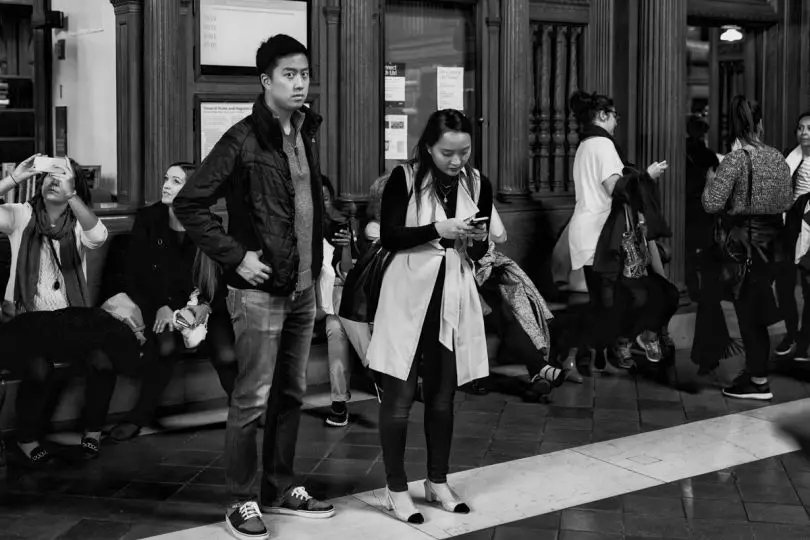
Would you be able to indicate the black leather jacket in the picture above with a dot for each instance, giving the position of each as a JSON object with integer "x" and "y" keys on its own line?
{"x": 249, "y": 168}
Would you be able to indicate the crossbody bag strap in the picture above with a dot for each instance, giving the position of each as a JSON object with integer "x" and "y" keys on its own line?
{"x": 750, "y": 203}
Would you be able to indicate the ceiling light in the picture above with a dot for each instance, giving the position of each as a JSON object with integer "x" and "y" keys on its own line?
{"x": 731, "y": 33}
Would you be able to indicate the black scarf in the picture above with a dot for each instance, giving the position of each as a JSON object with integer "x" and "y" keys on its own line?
{"x": 591, "y": 130}
{"x": 28, "y": 259}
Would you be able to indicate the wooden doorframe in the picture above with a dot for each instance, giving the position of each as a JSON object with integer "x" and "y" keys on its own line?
{"x": 43, "y": 76}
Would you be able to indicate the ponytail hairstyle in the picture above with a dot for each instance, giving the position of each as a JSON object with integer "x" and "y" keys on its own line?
{"x": 745, "y": 119}
{"x": 439, "y": 123}
{"x": 205, "y": 274}
{"x": 586, "y": 106}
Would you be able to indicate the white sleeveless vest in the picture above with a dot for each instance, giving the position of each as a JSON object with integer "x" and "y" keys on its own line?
{"x": 406, "y": 290}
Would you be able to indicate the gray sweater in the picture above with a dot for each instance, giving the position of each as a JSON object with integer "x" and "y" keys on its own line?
{"x": 772, "y": 191}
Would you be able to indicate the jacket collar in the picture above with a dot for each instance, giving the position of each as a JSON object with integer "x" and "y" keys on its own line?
{"x": 268, "y": 130}
{"x": 590, "y": 130}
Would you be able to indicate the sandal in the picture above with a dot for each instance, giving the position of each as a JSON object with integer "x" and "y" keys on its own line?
{"x": 91, "y": 447}
{"x": 37, "y": 458}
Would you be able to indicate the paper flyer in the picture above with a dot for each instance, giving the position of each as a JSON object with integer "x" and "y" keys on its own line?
{"x": 396, "y": 136}
{"x": 395, "y": 83}
{"x": 450, "y": 87}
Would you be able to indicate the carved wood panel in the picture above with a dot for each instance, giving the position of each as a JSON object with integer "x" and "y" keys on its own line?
{"x": 557, "y": 70}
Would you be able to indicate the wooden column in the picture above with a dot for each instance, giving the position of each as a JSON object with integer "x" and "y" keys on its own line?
{"x": 163, "y": 141}
{"x": 560, "y": 104}
{"x": 360, "y": 121}
{"x": 573, "y": 86}
{"x": 331, "y": 88}
{"x": 42, "y": 37}
{"x": 598, "y": 73}
{"x": 491, "y": 103}
{"x": 545, "y": 103}
{"x": 513, "y": 170}
{"x": 662, "y": 118}
{"x": 129, "y": 99}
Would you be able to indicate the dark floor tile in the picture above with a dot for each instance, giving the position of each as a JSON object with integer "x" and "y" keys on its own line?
{"x": 656, "y": 405}
{"x": 767, "y": 477}
{"x": 582, "y": 535}
{"x": 721, "y": 530}
{"x": 361, "y": 439}
{"x": 616, "y": 403}
{"x": 804, "y": 495}
{"x": 350, "y": 451}
{"x": 343, "y": 467}
{"x": 211, "y": 477}
{"x": 549, "y": 447}
{"x": 654, "y": 527}
{"x": 510, "y": 532}
{"x": 569, "y": 412}
{"x": 796, "y": 461}
{"x": 174, "y": 474}
{"x": 156, "y": 528}
{"x": 200, "y": 493}
{"x": 615, "y": 415}
{"x": 90, "y": 529}
{"x": 767, "y": 494}
{"x": 519, "y": 449}
{"x": 545, "y": 521}
{"x": 664, "y": 491}
{"x": 772, "y": 531}
{"x": 96, "y": 488}
{"x": 591, "y": 521}
{"x": 777, "y": 513}
{"x": 717, "y": 510}
{"x": 315, "y": 450}
{"x": 191, "y": 458}
{"x": 43, "y": 527}
{"x": 800, "y": 479}
{"x": 653, "y": 506}
{"x": 716, "y": 477}
{"x": 613, "y": 504}
{"x": 485, "y": 534}
{"x": 149, "y": 491}
{"x": 585, "y": 424}
{"x": 717, "y": 491}
{"x": 569, "y": 436}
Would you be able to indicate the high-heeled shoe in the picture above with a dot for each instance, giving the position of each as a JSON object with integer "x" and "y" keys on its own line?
{"x": 571, "y": 371}
{"x": 448, "y": 498}
{"x": 403, "y": 507}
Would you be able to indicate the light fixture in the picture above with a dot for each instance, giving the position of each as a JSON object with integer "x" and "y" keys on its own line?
{"x": 731, "y": 33}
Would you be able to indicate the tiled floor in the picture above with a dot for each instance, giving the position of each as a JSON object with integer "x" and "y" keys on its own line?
{"x": 168, "y": 482}
{"x": 763, "y": 500}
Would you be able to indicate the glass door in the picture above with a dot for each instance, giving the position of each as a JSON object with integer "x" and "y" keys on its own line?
{"x": 430, "y": 62}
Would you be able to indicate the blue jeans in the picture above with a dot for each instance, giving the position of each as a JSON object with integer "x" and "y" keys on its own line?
{"x": 273, "y": 337}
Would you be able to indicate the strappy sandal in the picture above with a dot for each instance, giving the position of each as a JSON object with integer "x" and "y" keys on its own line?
{"x": 90, "y": 447}
{"x": 37, "y": 458}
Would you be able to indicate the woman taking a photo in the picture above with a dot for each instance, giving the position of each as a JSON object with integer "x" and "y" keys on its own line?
{"x": 50, "y": 236}
{"x": 752, "y": 188}
{"x": 597, "y": 168}
{"x": 429, "y": 322}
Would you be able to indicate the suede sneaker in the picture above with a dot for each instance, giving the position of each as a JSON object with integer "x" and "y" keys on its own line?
{"x": 244, "y": 520}
{"x": 297, "y": 502}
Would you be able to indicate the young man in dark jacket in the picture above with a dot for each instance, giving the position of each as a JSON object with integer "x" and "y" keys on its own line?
{"x": 266, "y": 169}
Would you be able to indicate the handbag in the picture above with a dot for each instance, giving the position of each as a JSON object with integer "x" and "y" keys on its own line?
{"x": 636, "y": 252}
{"x": 361, "y": 289}
{"x": 734, "y": 245}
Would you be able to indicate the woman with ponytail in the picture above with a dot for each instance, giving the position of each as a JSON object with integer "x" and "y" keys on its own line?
{"x": 166, "y": 273}
{"x": 751, "y": 190}
{"x": 598, "y": 167}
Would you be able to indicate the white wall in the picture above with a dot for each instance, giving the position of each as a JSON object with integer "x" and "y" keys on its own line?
{"x": 84, "y": 82}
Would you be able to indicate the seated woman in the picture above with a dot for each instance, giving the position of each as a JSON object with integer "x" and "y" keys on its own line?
{"x": 50, "y": 236}
{"x": 505, "y": 285}
{"x": 338, "y": 259}
{"x": 642, "y": 300}
{"x": 160, "y": 271}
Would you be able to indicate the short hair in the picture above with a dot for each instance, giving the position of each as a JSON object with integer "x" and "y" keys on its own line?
{"x": 696, "y": 127}
{"x": 275, "y": 48}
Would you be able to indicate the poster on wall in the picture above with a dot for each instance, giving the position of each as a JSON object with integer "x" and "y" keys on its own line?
{"x": 450, "y": 87}
{"x": 232, "y": 30}
{"x": 216, "y": 119}
{"x": 396, "y": 136}
{"x": 395, "y": 84}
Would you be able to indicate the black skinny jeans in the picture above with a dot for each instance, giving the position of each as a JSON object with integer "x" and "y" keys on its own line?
{"x": 755, "y": 312}
{"x": 601, "y": 328}
{"x": 165, "y": 348}
{"x": 437, "y": 367}
{"x": 41, "y": 386}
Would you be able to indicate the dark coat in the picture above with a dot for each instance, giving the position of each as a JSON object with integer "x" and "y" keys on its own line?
{"x": 158, "y": 269}
{"x": 641, "y": 192}
{"x": 249, "y": 168}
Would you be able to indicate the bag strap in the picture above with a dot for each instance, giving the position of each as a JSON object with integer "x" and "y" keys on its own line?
{"x": 750, "y": 203}
{"x": 627, "y": 221}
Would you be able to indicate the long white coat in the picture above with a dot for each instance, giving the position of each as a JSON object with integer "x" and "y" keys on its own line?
{"x": 406, "y": 290}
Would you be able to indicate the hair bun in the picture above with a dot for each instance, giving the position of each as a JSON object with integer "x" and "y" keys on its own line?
{"x": 581, "y": 102}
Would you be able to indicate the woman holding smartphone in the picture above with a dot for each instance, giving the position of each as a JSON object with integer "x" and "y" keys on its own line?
{"x": 429, "y": 320}
{"x": 50, "y": 236}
